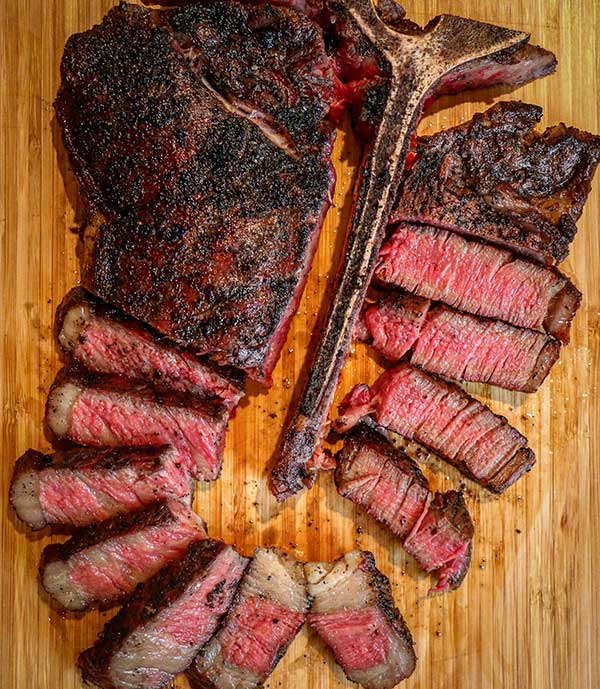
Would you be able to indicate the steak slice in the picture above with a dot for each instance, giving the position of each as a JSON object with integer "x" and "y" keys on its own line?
{"x": 103, "y": 564}
{"x": 267, "y": 613}
{"x": 82, "y": 486}
{"x": 436, "y": 529}
{"x": 167, "y": 621}
{"x": 110, "y": 411}
{"x": 458, "y": 345}
{"x": 498, "y": 179}
{"x": 103, "y": 340}
{"x": 354, "y": 613}
{"x": 445, "y": 419}
{"x": 478, "y": 278}
{"x": 200, "y": 141}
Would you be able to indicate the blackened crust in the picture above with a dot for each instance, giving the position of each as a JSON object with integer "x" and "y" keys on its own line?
{"x": 385, "y": 601}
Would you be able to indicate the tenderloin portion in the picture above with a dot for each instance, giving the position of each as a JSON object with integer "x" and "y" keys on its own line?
{"x": 445, "y": 419}
{"x": 458, "y": 345}
{"x": 103, "y": 564}
{"x": 110, "y": 411}
{"x": 478, "y": 278}
{"x": 268, "y": 611}
{"x": 436, "y": 529}
{"x": 354, "y": 613}
{"x": 103, "y": 340}
{"x": 167, "y": 621}
{"x": 498, "y": 179}
{"x": 81, "y": 486}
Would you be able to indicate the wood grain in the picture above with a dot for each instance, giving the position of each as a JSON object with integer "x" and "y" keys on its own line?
{"x": 527, "y": 615}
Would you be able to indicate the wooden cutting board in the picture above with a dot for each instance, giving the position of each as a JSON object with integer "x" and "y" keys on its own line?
{"x": 527, "y": 614}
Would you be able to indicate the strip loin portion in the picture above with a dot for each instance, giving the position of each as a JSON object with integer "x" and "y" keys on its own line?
{"x": 103, "y": 340}
{"x": 436, "y": 529}
{"x": 268, "y": 611}
{"x": 457, "y": 345}
{"x": 103, "y": 564}
{"x": 498, "y": 179}
{"x": 109, "y": 411}
{"x": 354, "y": 613}
{"x": 82, "y": 486}
{"x": 478, "y": 278}
{"x": 162, "y": 627}
{"x": 445, "y": 419}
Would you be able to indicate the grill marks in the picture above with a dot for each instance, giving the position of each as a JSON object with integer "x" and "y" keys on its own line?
{"x": 498, "y": 179}
{"x": 436, "y": 529}
{"x": 104, "y": 563}
{"x": 199, "y": 223}
{"x": 478, "y": 278}
{"x": 268, "y": 611}
{"x": 457, "y": 345}
{"x": 445, "y": 419}
{"x": 81, "y": 486}
{"x": 167, "y": 621}
{"x": 353, "y": 612}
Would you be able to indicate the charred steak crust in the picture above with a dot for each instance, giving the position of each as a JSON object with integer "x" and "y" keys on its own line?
{"x": 182, "y": 183}
{"x": 148, "y": 600}
{"x": 385, "y": 599}
{"x": 498, "y": 179}
{"x": 79, "y": 296}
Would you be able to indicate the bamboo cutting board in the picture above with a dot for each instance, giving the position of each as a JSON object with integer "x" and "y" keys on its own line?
{"x": 527, "y": 614}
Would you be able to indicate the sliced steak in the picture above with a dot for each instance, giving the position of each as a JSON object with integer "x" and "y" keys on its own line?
{"x": 445, "y": 419}
{"x": 200, "y": 141}
{"x": 458, "y": 345}
{"x": 436, "y": 529}
{"x": 353, "y": 612}
{"x": 419, "y": 62}
{"x": 83, "y": 486}
{"x": 268, "y": 611}
{"x": 498, "y": 179}
{"x": 111, "y": 411}
{"x": 103, "y": 564}
{"x": 158, "y": 632}
{"x": 478, "y": 278}
{"x": 103, "y": 340}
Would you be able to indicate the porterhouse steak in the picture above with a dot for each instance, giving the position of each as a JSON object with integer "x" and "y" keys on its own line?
{"x": 200, "y": 141}
{"x": 498, "y": 179}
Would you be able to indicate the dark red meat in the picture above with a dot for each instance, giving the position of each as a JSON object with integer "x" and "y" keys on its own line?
{"x": 200, "y": 140}
{"x": 103, "y": 564}
{"x": 478, "y": 278}
{"x": 445, "y": 419}
{"x": 268, "y": 611}
{"x": 436, "y": 529}
{"x": 110, "y": 411}
{"x": 166, "y": 622}
{"x": 84, "y": 485}
{"x": 498, "y": 179}
{"x": 103, "y": 340}
{"x": 458, "y": 345}
{"x": 354, "y": 613}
